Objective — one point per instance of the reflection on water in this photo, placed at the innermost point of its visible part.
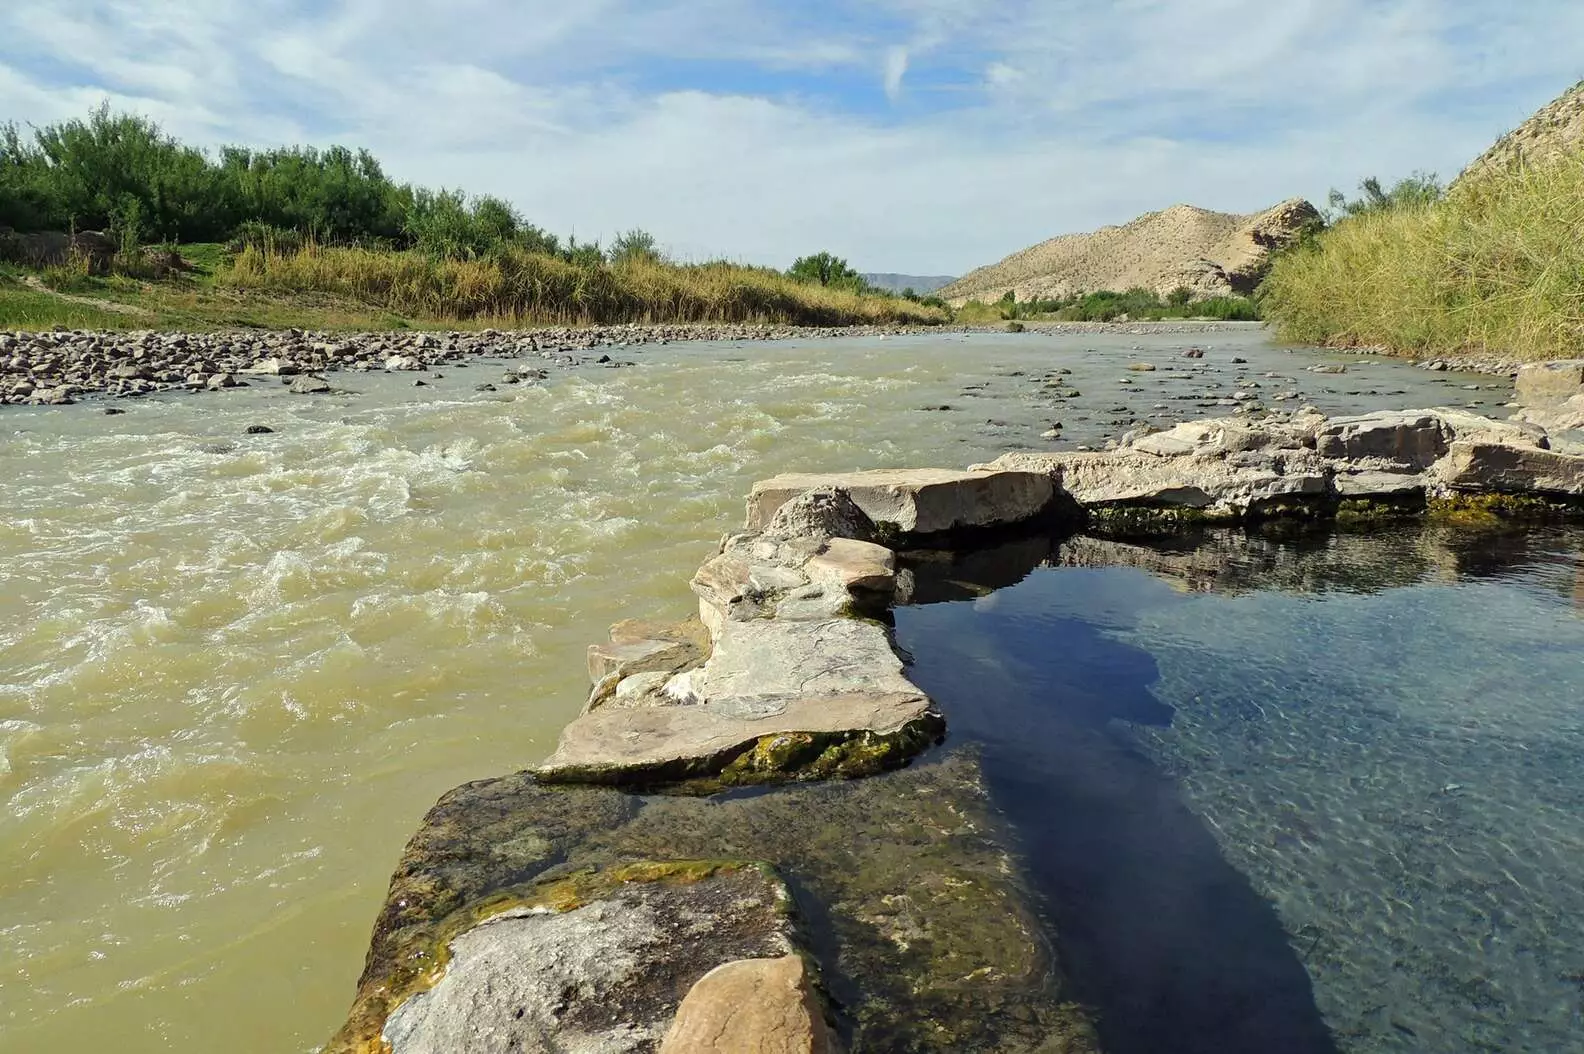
(1362, 826)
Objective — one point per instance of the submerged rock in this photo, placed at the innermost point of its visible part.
(926, 939)
(597, 961)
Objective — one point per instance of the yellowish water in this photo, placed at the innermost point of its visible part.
(235, 670)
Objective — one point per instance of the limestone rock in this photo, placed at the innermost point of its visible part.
(926, 925)
(1549, 382)
(917, 501)
(1212, 485)
(853, 566)
(599, 964)
(1506, 468)
(767, 1006)
(824, 512)
(734, 586)
(778, 699)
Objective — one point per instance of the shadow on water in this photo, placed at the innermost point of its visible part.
(1160, 935)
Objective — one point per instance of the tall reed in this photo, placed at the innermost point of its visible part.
(1497, 267)
(532, 287)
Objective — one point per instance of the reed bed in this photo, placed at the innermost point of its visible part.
(1496, 267)
(513, 284)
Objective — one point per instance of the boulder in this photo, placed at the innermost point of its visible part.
(602, 962)
(824, 512)
(763, 1005)
(722, 741)
(926, 931)
(777, 700)
(1413, 439)
(1510, 469)
(1549, 382)
(852, 566)
(638, 646)
(1218, 487)
(736, 585)
(917, 501)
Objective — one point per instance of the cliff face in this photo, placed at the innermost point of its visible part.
(1211, 253)
(1551, 132)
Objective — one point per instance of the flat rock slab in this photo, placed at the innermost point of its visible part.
(667, 744)
(766, 666)
(1215, 484)
(916, 501)
(1473, 465)
(599, 965)
(929, 941)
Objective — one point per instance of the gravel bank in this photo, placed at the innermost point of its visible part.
(58, 367)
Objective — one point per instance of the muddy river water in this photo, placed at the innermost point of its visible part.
(235, 668)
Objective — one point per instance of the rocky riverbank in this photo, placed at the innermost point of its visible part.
(862, 902)
(59, 367)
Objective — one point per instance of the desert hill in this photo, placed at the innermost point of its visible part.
(1211, 253)
(1552, 131)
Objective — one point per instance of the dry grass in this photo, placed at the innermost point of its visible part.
(525, 287)
(1496, 268)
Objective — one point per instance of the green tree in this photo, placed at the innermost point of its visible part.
(635, 244)
(1415, 191)
(826, 269)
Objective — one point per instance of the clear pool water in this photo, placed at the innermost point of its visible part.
(1306, 796)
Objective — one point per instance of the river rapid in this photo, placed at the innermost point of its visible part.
(236, 669)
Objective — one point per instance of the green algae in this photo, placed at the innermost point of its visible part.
(796, 757)
(1489, 510)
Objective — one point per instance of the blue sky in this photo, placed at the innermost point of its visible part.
(908, 135)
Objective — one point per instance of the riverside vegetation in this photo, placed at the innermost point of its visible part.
(1492, 265)
(298, 236)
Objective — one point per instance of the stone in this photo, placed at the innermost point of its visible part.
(1509, 469)
(824, 512)
(811, 737)
(1413, 439)
(1549, 382)
(601, 963)
(258, 430)
(1142, 367)
(271, 367)
(220, 380)
(917, 501)
(1211, 485)
(767, 1006)
(734, 586)
(309, 386)
(403, 362)
(926, 927)
(853, 566)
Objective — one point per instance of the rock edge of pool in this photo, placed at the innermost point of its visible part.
(747, 839)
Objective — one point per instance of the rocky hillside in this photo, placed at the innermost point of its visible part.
(1555, 129)
(1211, 253)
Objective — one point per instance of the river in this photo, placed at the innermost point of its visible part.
(236, 669)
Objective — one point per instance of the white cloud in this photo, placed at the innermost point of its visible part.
(713, 122)
(896, 64)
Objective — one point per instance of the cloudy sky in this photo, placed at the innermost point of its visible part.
(923, 136)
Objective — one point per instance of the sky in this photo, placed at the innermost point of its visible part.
(919, 136)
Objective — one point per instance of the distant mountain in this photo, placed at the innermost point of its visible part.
(919, 283)
(1210, 253)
